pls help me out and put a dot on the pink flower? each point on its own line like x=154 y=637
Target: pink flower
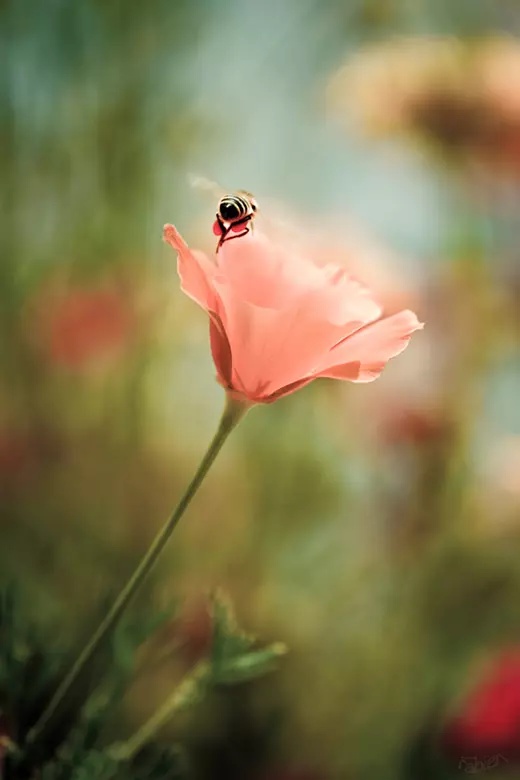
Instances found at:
x=278 y=320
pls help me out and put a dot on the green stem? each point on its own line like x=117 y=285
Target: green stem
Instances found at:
x=233 y=413
x=188 y=692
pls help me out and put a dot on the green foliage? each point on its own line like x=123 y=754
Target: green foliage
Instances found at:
x=30 y=668
x=234 y=656
x=132 y=633
x=154 y=764
x=29 y=661
x=234 y=659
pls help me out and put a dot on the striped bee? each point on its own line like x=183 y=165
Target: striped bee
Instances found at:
x=234 y=211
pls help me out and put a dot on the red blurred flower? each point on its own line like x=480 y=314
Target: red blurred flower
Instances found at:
x=416 y=426
x=279 y=321
x=192 y=631
x=15 y=454
x=82 y=327
x=487 y=724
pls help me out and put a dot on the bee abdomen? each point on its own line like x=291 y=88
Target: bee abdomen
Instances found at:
x=233 y=208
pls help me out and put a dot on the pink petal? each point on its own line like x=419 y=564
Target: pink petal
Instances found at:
x=268 y=274
x=272 y=276
x=194 y=268
x=287 y=390
x=272 y=348
x=254 y=267
x=348 y=299
x=220 y=350
x=362 y=356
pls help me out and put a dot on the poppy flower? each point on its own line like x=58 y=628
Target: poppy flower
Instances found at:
x=278 y=320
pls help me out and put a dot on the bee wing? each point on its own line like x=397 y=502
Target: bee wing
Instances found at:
x=208 y=187
x=202 y=184
x=273 y=217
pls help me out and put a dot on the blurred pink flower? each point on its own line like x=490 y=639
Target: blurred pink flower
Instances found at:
x=83 y=326
x=279 y=321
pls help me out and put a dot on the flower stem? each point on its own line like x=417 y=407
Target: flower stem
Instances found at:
x=190 y=691
x=231 y=416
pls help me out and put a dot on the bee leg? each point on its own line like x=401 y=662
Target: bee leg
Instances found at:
x=244 y=221
x=237 y=235
x=248 y=224
x=223 y=238
x=223 y=231
x=220 y=223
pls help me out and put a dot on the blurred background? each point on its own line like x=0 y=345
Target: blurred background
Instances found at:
x=373 y=528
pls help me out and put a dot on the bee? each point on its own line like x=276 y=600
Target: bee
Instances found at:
x=234 y=211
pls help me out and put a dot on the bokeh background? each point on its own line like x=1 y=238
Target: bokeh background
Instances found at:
x=373 y=528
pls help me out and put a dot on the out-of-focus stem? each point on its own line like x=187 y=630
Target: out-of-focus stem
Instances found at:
x=233 y=413
x=188 y=692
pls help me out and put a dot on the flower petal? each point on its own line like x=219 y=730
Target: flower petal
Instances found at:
x=362 y=356
x=272 y=348
x=348 y=299
x=272 y=276
x=257 y=270
x=220 y=350
x=195 y=270
x=287 y=390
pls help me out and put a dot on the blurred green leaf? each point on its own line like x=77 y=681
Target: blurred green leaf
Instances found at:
x=228 y=639
x=134 y=632
x=249 y=666
x=234 y=658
